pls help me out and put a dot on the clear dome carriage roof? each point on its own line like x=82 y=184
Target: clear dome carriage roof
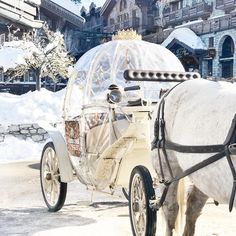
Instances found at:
x=105 y=64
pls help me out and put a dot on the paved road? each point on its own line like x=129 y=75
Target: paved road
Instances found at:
x=23 y=212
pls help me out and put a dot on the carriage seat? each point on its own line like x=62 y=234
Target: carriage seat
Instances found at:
x=99 y=138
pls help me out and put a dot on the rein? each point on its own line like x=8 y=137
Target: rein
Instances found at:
x=221 y=150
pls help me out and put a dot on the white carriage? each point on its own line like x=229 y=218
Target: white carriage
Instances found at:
x=107 y=122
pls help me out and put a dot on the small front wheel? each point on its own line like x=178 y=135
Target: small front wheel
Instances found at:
x=54 y=191
x=142 y=217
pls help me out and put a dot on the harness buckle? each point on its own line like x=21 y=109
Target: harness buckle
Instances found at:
x=232 y=148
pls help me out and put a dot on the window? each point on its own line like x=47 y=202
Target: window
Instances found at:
x=211 y=42
x=123 y=5
x=228 y=47
x=209 y=67
x=112 y=21
x=126 y=17
x=174 y=6
x=227 y=57
x=1 y=76
x=120 y=18
x=2 y=38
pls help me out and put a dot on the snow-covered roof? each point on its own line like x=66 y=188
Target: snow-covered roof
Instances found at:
x=36 y=2
x=68 y=5
x=187 y=37
x=189 y=23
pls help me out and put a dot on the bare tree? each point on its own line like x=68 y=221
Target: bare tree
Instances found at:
x=48 y=58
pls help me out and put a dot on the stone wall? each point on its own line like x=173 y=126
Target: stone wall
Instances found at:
x=24 y=131
x=218 y=41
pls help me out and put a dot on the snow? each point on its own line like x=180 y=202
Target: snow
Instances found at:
x=32 y=107
x=35 y=107
x=189 y=23
x=14 y=53
x=23 y=150
x=37 y=2
x=186 y=36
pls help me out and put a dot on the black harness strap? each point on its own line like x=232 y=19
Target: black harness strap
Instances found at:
x=221 y=151
x=231 y=201
x=193 y=149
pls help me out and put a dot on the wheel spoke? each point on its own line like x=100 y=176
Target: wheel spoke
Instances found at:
x=50 y=176
x=143 y=219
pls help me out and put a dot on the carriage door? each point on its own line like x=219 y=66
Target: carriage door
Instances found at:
x=96 y=128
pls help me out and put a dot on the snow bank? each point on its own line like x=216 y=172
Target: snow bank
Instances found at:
x=32 y=107
x=14 y=149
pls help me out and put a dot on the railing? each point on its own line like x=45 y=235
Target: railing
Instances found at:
x=130 y=23
x=204 y=27
x=187 y=13
x=215 y=24
x=225 y=4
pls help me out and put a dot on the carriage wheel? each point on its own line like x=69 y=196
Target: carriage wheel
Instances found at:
x=54 y=191
x=125 y=192
x=142 y=217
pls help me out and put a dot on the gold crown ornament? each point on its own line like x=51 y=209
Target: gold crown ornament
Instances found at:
x=128 y=34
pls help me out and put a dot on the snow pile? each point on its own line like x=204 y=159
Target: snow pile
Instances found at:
x=14 y=149
x=186 y=36
x=32 y=107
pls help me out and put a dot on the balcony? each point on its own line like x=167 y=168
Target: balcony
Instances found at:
x=201 y=27
x=225 y=4
x=90 y=25
x=130 y=23
x=201 y=9
x=213 y=25
x=20 y=12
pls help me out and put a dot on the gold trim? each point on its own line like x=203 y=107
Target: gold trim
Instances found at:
x=128 y=34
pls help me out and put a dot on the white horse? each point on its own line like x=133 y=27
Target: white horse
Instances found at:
x=197 y=112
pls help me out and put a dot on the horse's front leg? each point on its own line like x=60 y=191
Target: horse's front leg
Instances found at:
x=195 y=202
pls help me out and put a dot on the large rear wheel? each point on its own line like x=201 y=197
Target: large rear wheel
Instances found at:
x=142 y=217
x=54 y=191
